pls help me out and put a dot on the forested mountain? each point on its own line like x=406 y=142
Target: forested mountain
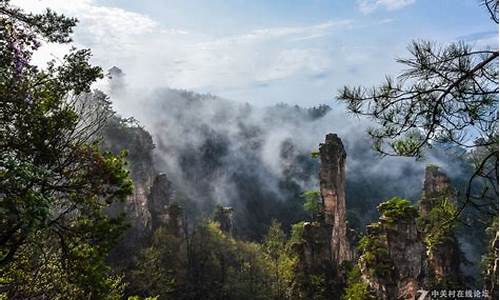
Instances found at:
x=259 y=160
x=220 y=159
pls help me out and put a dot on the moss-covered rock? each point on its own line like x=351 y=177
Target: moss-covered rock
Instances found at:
x=392 y=255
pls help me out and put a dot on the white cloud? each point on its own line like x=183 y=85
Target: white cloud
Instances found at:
x=369 y=6
x=309 y=62
x=299 y=64
x=152 y=55
x=318 y=30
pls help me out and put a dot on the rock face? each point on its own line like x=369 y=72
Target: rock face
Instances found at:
x=116 y=76
x=491 y=274
x=407 y=252
x=224 y=216
x=444 y=257
x=444 y=261
x=313 y=252
x=138 y=213
x=159 y=200
x=175 y=220
x=393 y=262
x=119 y=134
x=436 y=186
x=398 y=257
x=332 y=188
x=324 y=243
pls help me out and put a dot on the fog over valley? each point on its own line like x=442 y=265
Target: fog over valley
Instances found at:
x=249 y=150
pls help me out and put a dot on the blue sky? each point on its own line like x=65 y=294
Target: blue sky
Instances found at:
x=223 y=16
x=264 y=51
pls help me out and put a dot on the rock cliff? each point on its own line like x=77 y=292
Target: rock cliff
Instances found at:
x=491 y=264
x=393 y=260
x=332 y=187
x=438 y=200
x=436 y=186
x=159 y=200
x=224 y=216
x=412 y=248
x=315 y=262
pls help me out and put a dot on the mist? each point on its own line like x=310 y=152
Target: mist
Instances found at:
x=258 y=159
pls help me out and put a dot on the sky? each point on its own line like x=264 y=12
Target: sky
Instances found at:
x=263 y=51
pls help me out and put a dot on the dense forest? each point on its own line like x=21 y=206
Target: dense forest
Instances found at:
x=199 y=197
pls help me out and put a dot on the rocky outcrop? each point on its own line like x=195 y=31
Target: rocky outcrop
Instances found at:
x=224 y=216
x=444 y=261
x=407 y=252
x=314 y=247
x=119 y=134
x=124 y=134
x=412 y=248
x=491 y=272
x=323 y=246
x=436 y=187
x=116 y=80
x=393 y=260
x=444 y=255
x=175 y=220
x=332 y=187
x=159 y=200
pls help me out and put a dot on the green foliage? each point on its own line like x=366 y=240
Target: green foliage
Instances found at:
x=315 y=154
x=228 y=268
x=223 y=217
x=318 y=285
x=297 y=231
x=311 y=285
x=275 y=240
x=439 y=224
x=56 y=183
x=396 y=209
x=407 y=146
x=281 y=260
x=211 y=265
x=443 y=94
x=160 y=266
x=356 y=289
x=375 y=256
x=312 y=203
x=432 y=100
x=139 y=298
x=492 y=230
x=118 y=134
x=313 y=272
x=73 y=260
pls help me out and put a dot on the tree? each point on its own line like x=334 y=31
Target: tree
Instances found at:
x=447 y=95
x=281 y=259
x=356 y=289
x=221 y=267
x=55 y=182
x=161 y=267
x=312 y=204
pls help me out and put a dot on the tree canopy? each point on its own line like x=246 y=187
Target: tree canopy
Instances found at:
x=55 y=182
